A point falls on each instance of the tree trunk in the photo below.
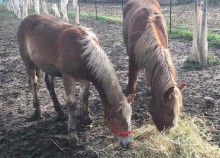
(196, 30)
(200, 43)
(203, 44)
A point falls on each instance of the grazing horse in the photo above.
(73, 53)
(145, 37)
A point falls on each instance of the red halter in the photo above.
(114, 129)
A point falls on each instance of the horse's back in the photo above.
(30, 22)
(50, 44)
(43, 29)
(136, 15)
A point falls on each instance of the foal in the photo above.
(146, 40)
(73, 53)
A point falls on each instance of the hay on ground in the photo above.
(190, 139)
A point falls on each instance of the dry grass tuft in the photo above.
(190, 139)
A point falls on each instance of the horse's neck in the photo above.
(101, 70)
(109, 94)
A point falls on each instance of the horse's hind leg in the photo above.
(50, 86)
(33, 80)
(38, 74)
(85, 112)
(132, 80)
(70, 89)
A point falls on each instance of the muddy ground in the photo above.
(21, 137)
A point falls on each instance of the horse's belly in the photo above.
(50, 69)
(46, 67)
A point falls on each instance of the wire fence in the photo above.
(182, 16)
(102, 8)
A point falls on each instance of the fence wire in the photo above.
(182, 16)
(102, 9)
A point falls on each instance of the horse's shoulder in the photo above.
(73, 32)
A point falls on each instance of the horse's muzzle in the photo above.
(125, 142)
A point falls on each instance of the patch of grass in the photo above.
(192, 65)
(214, 39)
(182, 33)
(110, 19)
(213, 60)
(190, 139)
(185, 33)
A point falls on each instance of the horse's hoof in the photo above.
(36, 116)
(61, 117)
(86, 120)
(73, 141)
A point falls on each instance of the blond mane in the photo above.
(155, 59)
(100, 66)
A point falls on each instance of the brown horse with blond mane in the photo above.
(146, 40)
(73, 53)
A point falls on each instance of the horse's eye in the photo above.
(120, 123)
(170, 112)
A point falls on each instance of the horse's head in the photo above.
(118, 120)
(166, 114)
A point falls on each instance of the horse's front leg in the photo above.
(132, 77)
(69, 85)
(85, 116)
(50, 86)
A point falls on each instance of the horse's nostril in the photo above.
(126, 146)
(129, 145)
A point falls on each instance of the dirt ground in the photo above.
(21, 137)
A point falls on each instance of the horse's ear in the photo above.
(181, 85)
(130, 98)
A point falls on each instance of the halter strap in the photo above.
(115, 130)
(123, 133)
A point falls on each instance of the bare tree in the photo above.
(200, 43)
